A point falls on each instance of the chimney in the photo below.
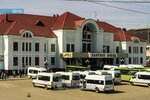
(57, 15)
(6, 17)
(54, 15)
(124, 29)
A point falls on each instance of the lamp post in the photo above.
(46, 64)
(87, 62)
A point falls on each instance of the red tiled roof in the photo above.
(66, 21)
(120, 35)
(107, 27)
(79, 22)
(16, 22)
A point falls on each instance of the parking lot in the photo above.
(21, 89)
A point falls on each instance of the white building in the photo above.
(30, 40)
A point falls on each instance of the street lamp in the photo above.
(46, 64)
(87, 62)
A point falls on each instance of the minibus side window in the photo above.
(43, 78)
(56, 78)
(100, 82)
(65, 77)
(144, 77)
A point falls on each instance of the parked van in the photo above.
(98, 83)
(141, 78)
(116, 75)
(70, 79)
(84, 73)
(33, 71)
(48, 80)
(109, 67)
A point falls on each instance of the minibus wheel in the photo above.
(54, 87)
(148, 85)
(131, 83)
(34, 84)
(96, 90)
(46, 87)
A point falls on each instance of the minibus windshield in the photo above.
(75, 77)
(109, 82)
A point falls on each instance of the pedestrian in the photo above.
(2, 75)
(14, 73)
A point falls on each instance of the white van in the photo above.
(116, 74)
(84, 73)
(48, 80)
(98, 83)
(33, 71)
(109, 67)
(70, 79)
(141, 78)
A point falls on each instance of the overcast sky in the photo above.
(117, 17)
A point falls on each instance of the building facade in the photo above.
(67, 39)
(143, 33)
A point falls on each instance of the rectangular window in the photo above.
(117, 49)
(129, 60)
(117, 60)
(29, 61)
(15, 61)
(52, 47)
(83, 47)
(45, 47)
(141, 60)
(141, 50)
(36, 61)
(108, 49)
(89, 36)
(23, 61)
(68, 47)
(23, 46)
(89, 47)
(104, 49)
(15, 46)
(52, 60)
(26, 46)
(129, 49)
(37, 46)
(72, 48)
(30, 46)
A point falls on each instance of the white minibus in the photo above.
(70, 79)
(98, 83)
(33, 71)
(116, 75)
(109, 67)
(141, 78)
(48, 80)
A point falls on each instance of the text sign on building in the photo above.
(67, 55)
(102, 55)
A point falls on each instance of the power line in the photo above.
(113, 1)
(98, 2)
(120, 8)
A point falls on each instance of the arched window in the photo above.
(27, 34)
(136, 41)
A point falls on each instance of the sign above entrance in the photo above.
(102, 55)
(67, 55)
(89, 55)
